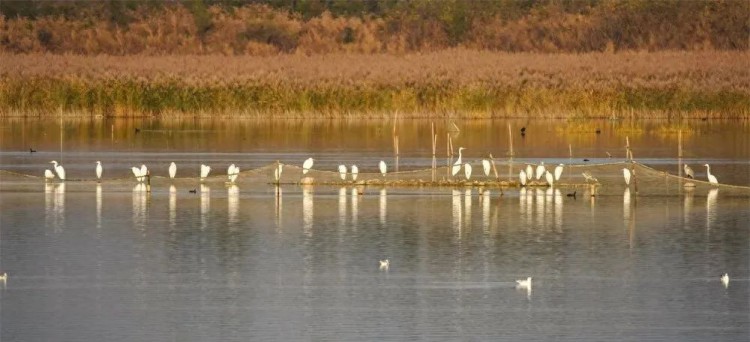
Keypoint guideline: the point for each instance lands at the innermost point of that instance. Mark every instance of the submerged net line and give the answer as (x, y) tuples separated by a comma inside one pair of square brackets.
[(609, 179)]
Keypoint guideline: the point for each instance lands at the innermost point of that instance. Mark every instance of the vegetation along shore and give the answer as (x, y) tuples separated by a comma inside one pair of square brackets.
[(373, 58)]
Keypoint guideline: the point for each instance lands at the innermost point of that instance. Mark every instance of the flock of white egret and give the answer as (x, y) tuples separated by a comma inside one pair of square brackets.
[(525, 175)]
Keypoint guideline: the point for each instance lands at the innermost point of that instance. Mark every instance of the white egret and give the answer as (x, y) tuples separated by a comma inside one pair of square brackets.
[(205, 170), (59, 170), (342, 172), (277, 172), (725, 280), (486, 166), (522, 177), (689, 172), (307, 165), (458, 161), (529, 172), (355, 172), (626, 174), (232, 173), (549, 177), (559, 171), (172, 170), (136, 173), (457, 165), (99, 170), (523, 283), (467, 171), (48, 175), (711, 178), (540, 171), (144, 172), (4, 277), (385, 264), (383, 168)]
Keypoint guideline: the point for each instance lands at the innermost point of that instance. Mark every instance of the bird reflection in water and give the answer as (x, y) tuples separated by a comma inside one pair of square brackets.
[(355, 207), (467, 208), (457, 212), (558, 210), (485, 199), (383, 206), (307, 209), (54, 205), (342, 207), (98, 206), (140, 202), (233, 202), (278, 197), (711, 200), (205, 205), (172, 206)]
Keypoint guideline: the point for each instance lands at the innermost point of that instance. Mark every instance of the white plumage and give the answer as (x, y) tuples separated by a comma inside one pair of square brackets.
[(626, 174), (711, 178), (383, 168), (342, 172), (529, 172), (689, 172), (559, 171), (99, 169), (550, 178), (205, 170), (144, 171), (522, 177), (277, 172), (524, 283), (233, 172), (725, 280), (59, 170), (355, 172), (486, 167), (307, 165), (172, 170), (48, 174), (540, 171), (385, 264), (467, 171)]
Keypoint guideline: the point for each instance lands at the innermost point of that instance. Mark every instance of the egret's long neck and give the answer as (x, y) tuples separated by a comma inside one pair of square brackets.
[(459, 154)]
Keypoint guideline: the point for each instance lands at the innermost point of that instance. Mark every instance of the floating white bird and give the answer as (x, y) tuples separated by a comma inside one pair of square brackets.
[(383, 168), (355, 172), (232, 173), (385, 264), (523, 283), (4, 277), (307, 165), (529, 172), (467, 171), (99, 170), (626, 174), (725, 280), (689, 172), (540, 171), (144, 172), (559, 171), (172, 170), (342, 172), (457, 164), (205, 170), (486, 166), (522, 177), (48, 175), (59, 169), (711, 178), (550, 178)]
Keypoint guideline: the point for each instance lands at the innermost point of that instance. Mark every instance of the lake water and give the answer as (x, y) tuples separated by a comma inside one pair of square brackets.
[(94, 262)]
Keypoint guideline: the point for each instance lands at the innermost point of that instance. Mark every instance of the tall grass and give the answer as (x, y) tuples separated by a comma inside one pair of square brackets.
[(454, 82)]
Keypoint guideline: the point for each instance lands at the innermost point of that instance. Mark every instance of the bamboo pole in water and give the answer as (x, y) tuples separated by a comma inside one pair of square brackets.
[(679, 153), (570, 151), (510, 140), (494, 169)]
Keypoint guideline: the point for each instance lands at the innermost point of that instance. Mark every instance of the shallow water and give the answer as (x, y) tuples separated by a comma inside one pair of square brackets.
[(90, 262)]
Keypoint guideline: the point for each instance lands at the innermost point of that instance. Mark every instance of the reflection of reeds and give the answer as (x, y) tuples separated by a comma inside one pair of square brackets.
[(465, 83)]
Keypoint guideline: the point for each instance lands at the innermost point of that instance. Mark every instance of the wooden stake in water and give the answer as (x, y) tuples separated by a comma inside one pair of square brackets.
[(510, 140), (433, 138), (570, 151), (494, 169), (679, 153)]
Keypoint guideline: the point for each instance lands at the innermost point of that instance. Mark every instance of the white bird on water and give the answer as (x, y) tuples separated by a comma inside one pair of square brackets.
[(385, 264), (522, 177), (550, 178), (725, 280), (342, 171), (457, 165), (523, 283), (48, 175), (355, 172), (467, 171), (172, 170), (232, 173), (486, 167), (307, 165), (383, 168), (277, 172), (140, 174), (59, 170), (205, 170), (99, 170), (711, 178), (4, 277), (626, 174), (689, 173), (559, 171), (540, 171), (529, 172)]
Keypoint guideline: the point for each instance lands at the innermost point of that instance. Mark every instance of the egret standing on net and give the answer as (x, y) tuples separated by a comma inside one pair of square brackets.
[(725, 280), (467, 171), (550, 178), (626, 174), (342, 172), (172, 170), (232, 173), (355, 172), (307, 165), (529, 172), (48, 175), (99, 171), (711, 178), (559, 171), (540, 171), (277, 172), (457, 165), (205, 170), (59, 170), (522, 177), (383, 168), (689, 173), (486, 166)]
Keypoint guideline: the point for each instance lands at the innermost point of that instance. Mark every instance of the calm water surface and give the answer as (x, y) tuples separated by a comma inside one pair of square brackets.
[(90, 262)]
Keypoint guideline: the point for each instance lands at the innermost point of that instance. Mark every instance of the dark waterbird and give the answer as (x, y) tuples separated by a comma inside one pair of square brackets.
[(598, 131), (192, 191), (137, 130), (523, 131), (573, 194), (585, 159), (31, 150)]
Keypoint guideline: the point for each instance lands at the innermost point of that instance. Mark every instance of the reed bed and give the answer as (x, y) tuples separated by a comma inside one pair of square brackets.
[(459, 82)]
